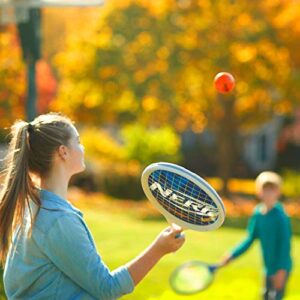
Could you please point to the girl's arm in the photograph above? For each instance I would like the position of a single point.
(166, 242)
(70, 247)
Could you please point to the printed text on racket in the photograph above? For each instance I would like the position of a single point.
(186, 202)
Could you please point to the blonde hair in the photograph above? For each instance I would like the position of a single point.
(31, 151)
(268, 177)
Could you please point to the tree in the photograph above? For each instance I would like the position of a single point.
(154, 62)
(12, 78)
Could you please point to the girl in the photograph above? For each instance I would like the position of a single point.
(45, 245)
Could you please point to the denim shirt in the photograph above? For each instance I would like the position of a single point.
(59, 259)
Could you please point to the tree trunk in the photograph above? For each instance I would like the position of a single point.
(226, 133)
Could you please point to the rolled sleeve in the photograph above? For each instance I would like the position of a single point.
(69, 245)
(125, 280)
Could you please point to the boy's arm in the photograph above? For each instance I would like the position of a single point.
(284, 246)
(244, 245)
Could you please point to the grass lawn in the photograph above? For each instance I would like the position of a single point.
(120, 235)
(121, 240)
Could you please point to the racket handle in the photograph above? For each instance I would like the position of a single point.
(175, 226)
(179, 235)
(213, 268)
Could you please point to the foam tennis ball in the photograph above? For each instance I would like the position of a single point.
(224, 82)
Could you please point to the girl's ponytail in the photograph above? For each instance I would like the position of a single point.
(17, 188)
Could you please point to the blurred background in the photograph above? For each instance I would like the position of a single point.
(137, 77)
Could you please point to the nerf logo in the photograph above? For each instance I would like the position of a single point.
(183, 201)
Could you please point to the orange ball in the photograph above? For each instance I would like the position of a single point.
(224, 82)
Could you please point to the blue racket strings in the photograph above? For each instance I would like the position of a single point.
(182, 198)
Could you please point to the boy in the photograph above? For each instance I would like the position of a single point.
(271, 226)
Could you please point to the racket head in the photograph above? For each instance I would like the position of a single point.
(183, 197)
(192, 277)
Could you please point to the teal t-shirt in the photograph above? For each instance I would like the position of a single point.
(273, 230)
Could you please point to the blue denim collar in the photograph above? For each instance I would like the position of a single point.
(52, 201)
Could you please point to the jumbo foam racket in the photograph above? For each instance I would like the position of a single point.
(183, 197)
(192, 277)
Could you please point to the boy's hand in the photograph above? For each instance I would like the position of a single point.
(225, 260)
(279, 279)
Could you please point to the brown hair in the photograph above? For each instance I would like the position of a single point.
(31, 151)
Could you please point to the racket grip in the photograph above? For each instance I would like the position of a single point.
(179, 235)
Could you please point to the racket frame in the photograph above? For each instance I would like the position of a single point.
(210, 268)
(197, 180)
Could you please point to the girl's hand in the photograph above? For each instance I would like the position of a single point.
(169, 240)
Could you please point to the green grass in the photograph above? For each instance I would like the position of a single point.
(122, 236)
(121, 240)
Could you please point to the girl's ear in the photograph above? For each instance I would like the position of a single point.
(62, 152)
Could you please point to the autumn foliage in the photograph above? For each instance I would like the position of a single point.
(153, 63)
(12, 78)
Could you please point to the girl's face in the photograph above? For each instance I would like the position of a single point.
(75, 153)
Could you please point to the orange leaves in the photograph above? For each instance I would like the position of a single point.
(141, 57)
(244, 20)
(12, 78)
(100, 146)
(127, 101)
(293, 208)
(244, 53)
(289, 16)
(150, 103)
(144, 39)
(108, 72)
(46, 85)
(191, 115)
(163, 53)
(239, 208)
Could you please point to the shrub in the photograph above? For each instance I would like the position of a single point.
(291, 187)
(150, 145)
(115, 161)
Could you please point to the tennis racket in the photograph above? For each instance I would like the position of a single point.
(192, 277)
(183, 197)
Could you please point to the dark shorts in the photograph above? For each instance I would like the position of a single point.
(270, 293)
